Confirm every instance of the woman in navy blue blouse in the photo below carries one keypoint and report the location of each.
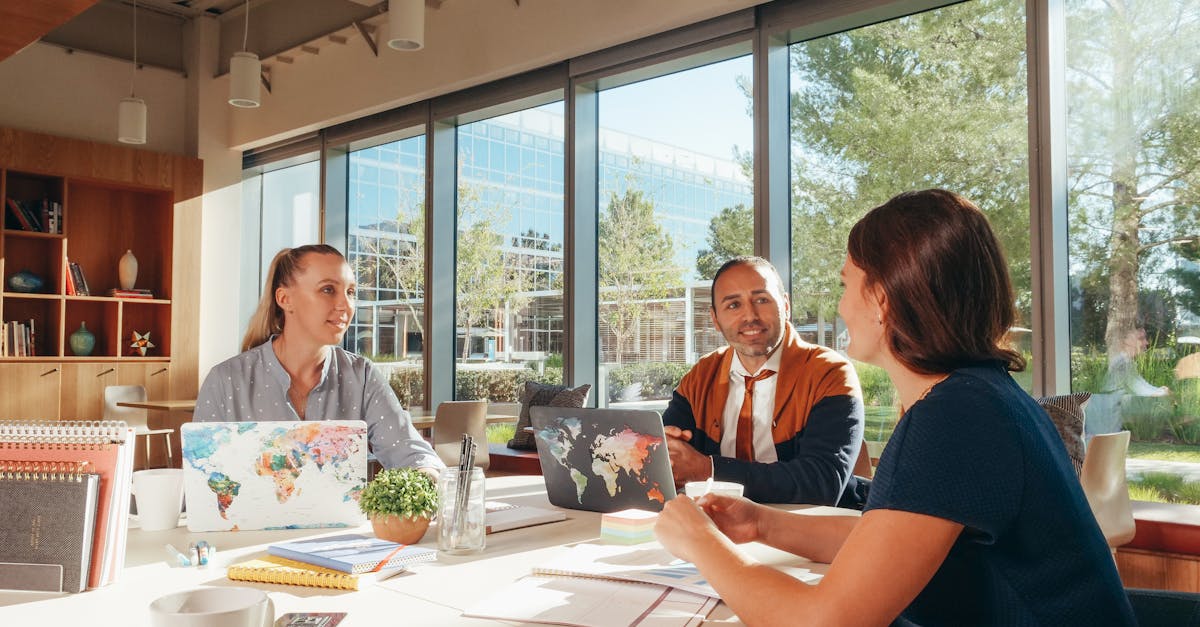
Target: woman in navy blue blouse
(975, 516)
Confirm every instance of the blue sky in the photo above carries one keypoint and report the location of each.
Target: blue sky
(700, 109)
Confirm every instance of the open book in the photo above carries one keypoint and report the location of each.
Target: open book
(592, 603)
(644, 563)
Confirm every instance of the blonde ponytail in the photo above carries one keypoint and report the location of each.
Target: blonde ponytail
(268, 317)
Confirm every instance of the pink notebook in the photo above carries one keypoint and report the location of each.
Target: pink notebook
(108, 450)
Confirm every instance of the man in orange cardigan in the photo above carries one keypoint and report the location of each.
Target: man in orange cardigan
(778, 415)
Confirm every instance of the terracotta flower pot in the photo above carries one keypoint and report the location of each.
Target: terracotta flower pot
(399, 529)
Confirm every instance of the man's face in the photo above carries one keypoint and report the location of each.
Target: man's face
(750, 309)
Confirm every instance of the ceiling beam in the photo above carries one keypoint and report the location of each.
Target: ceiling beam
(22, 23)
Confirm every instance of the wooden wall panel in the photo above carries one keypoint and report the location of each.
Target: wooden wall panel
(1159, 571)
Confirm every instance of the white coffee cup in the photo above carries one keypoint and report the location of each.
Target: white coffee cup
(213, 607)
(697, 489)
(159, 496)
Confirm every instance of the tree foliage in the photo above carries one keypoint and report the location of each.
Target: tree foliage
(730, 234)
(932, 100)
(1134, 128)
(636, 264)
(488, 278)
(938, 99)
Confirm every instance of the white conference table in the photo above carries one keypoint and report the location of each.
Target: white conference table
(434, 593)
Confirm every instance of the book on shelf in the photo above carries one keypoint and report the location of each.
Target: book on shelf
(281, 570)
(81, 286)
(353, 553)
(69, 287)
(18, 339)
(107, 448)
(505, 516)
(18, 220)
(131, 293)
(48, 518)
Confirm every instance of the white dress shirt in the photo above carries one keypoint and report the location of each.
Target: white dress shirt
(763, 408)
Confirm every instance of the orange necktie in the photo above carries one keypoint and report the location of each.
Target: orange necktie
(744, 443)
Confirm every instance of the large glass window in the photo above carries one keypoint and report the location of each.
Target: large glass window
(291, 211)
(509, 254)
(675, 201)
(386, 241)
(1133, 152)
(936, 99)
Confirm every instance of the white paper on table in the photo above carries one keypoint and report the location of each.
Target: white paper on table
(572, 601)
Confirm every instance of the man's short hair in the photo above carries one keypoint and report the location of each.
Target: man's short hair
(743, 260)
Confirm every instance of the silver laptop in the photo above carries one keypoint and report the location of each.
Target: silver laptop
(273, 474)
(603, 460)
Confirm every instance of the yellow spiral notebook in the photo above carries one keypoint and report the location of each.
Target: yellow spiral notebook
(272, 569)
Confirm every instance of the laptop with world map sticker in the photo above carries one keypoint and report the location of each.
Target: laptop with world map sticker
(603, 460)
(273, 474)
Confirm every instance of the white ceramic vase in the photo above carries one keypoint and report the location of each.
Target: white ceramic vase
(127, 270)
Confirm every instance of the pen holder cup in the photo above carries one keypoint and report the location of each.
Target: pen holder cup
(461, 511)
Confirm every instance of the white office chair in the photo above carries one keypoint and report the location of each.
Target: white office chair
(136, 418)
(1104, 485)
(451, 421)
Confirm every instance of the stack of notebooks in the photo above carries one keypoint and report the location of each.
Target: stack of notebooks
(344, 562)
(65, 490)
(135, 292)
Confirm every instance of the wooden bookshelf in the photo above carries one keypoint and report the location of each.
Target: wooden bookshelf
(113, 199)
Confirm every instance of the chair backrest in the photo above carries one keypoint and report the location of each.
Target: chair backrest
(1103, 480)
(862, 466)
(451, 421)
(134, 417)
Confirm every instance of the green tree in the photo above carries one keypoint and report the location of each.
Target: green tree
(1186, 280)
(636, 259)
(487, 277)
(932, 100)
(730, 233)
(1134, 101)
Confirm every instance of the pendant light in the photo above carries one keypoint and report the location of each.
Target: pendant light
(245, 73)
(406, 24)
(131, 113)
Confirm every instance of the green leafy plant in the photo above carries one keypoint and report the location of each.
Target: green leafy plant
(404, 492)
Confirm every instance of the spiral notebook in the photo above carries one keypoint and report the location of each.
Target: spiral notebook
(107, 447)
(48, 517)
(353, 553)
(280, 570)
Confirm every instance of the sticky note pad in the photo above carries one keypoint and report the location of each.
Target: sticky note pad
(631, 526)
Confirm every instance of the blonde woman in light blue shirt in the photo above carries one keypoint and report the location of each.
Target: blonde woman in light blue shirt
(293, 368)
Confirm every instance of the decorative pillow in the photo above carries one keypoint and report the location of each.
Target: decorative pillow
(1068, 416)
(541, 394)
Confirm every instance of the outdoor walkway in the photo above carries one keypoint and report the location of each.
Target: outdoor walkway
(1136, 467)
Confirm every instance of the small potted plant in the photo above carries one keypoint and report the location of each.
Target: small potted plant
(400, 503)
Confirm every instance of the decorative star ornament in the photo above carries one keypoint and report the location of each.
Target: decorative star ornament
(141, 343)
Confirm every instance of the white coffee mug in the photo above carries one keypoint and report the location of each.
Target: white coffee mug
(213, 607)
(159, 497)
(697, 489)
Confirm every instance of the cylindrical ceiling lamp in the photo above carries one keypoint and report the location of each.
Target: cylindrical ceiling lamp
(406, 24)
(245, 72)
(131, 121)
(131, 113)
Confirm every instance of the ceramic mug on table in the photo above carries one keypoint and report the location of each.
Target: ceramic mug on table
(158, 494)
(213, 607)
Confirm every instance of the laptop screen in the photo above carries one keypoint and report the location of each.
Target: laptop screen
(273, 474)
(603, 460)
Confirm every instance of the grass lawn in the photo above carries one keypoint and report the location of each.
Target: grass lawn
(881, 421)
(501, 433)
(1165, 452)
